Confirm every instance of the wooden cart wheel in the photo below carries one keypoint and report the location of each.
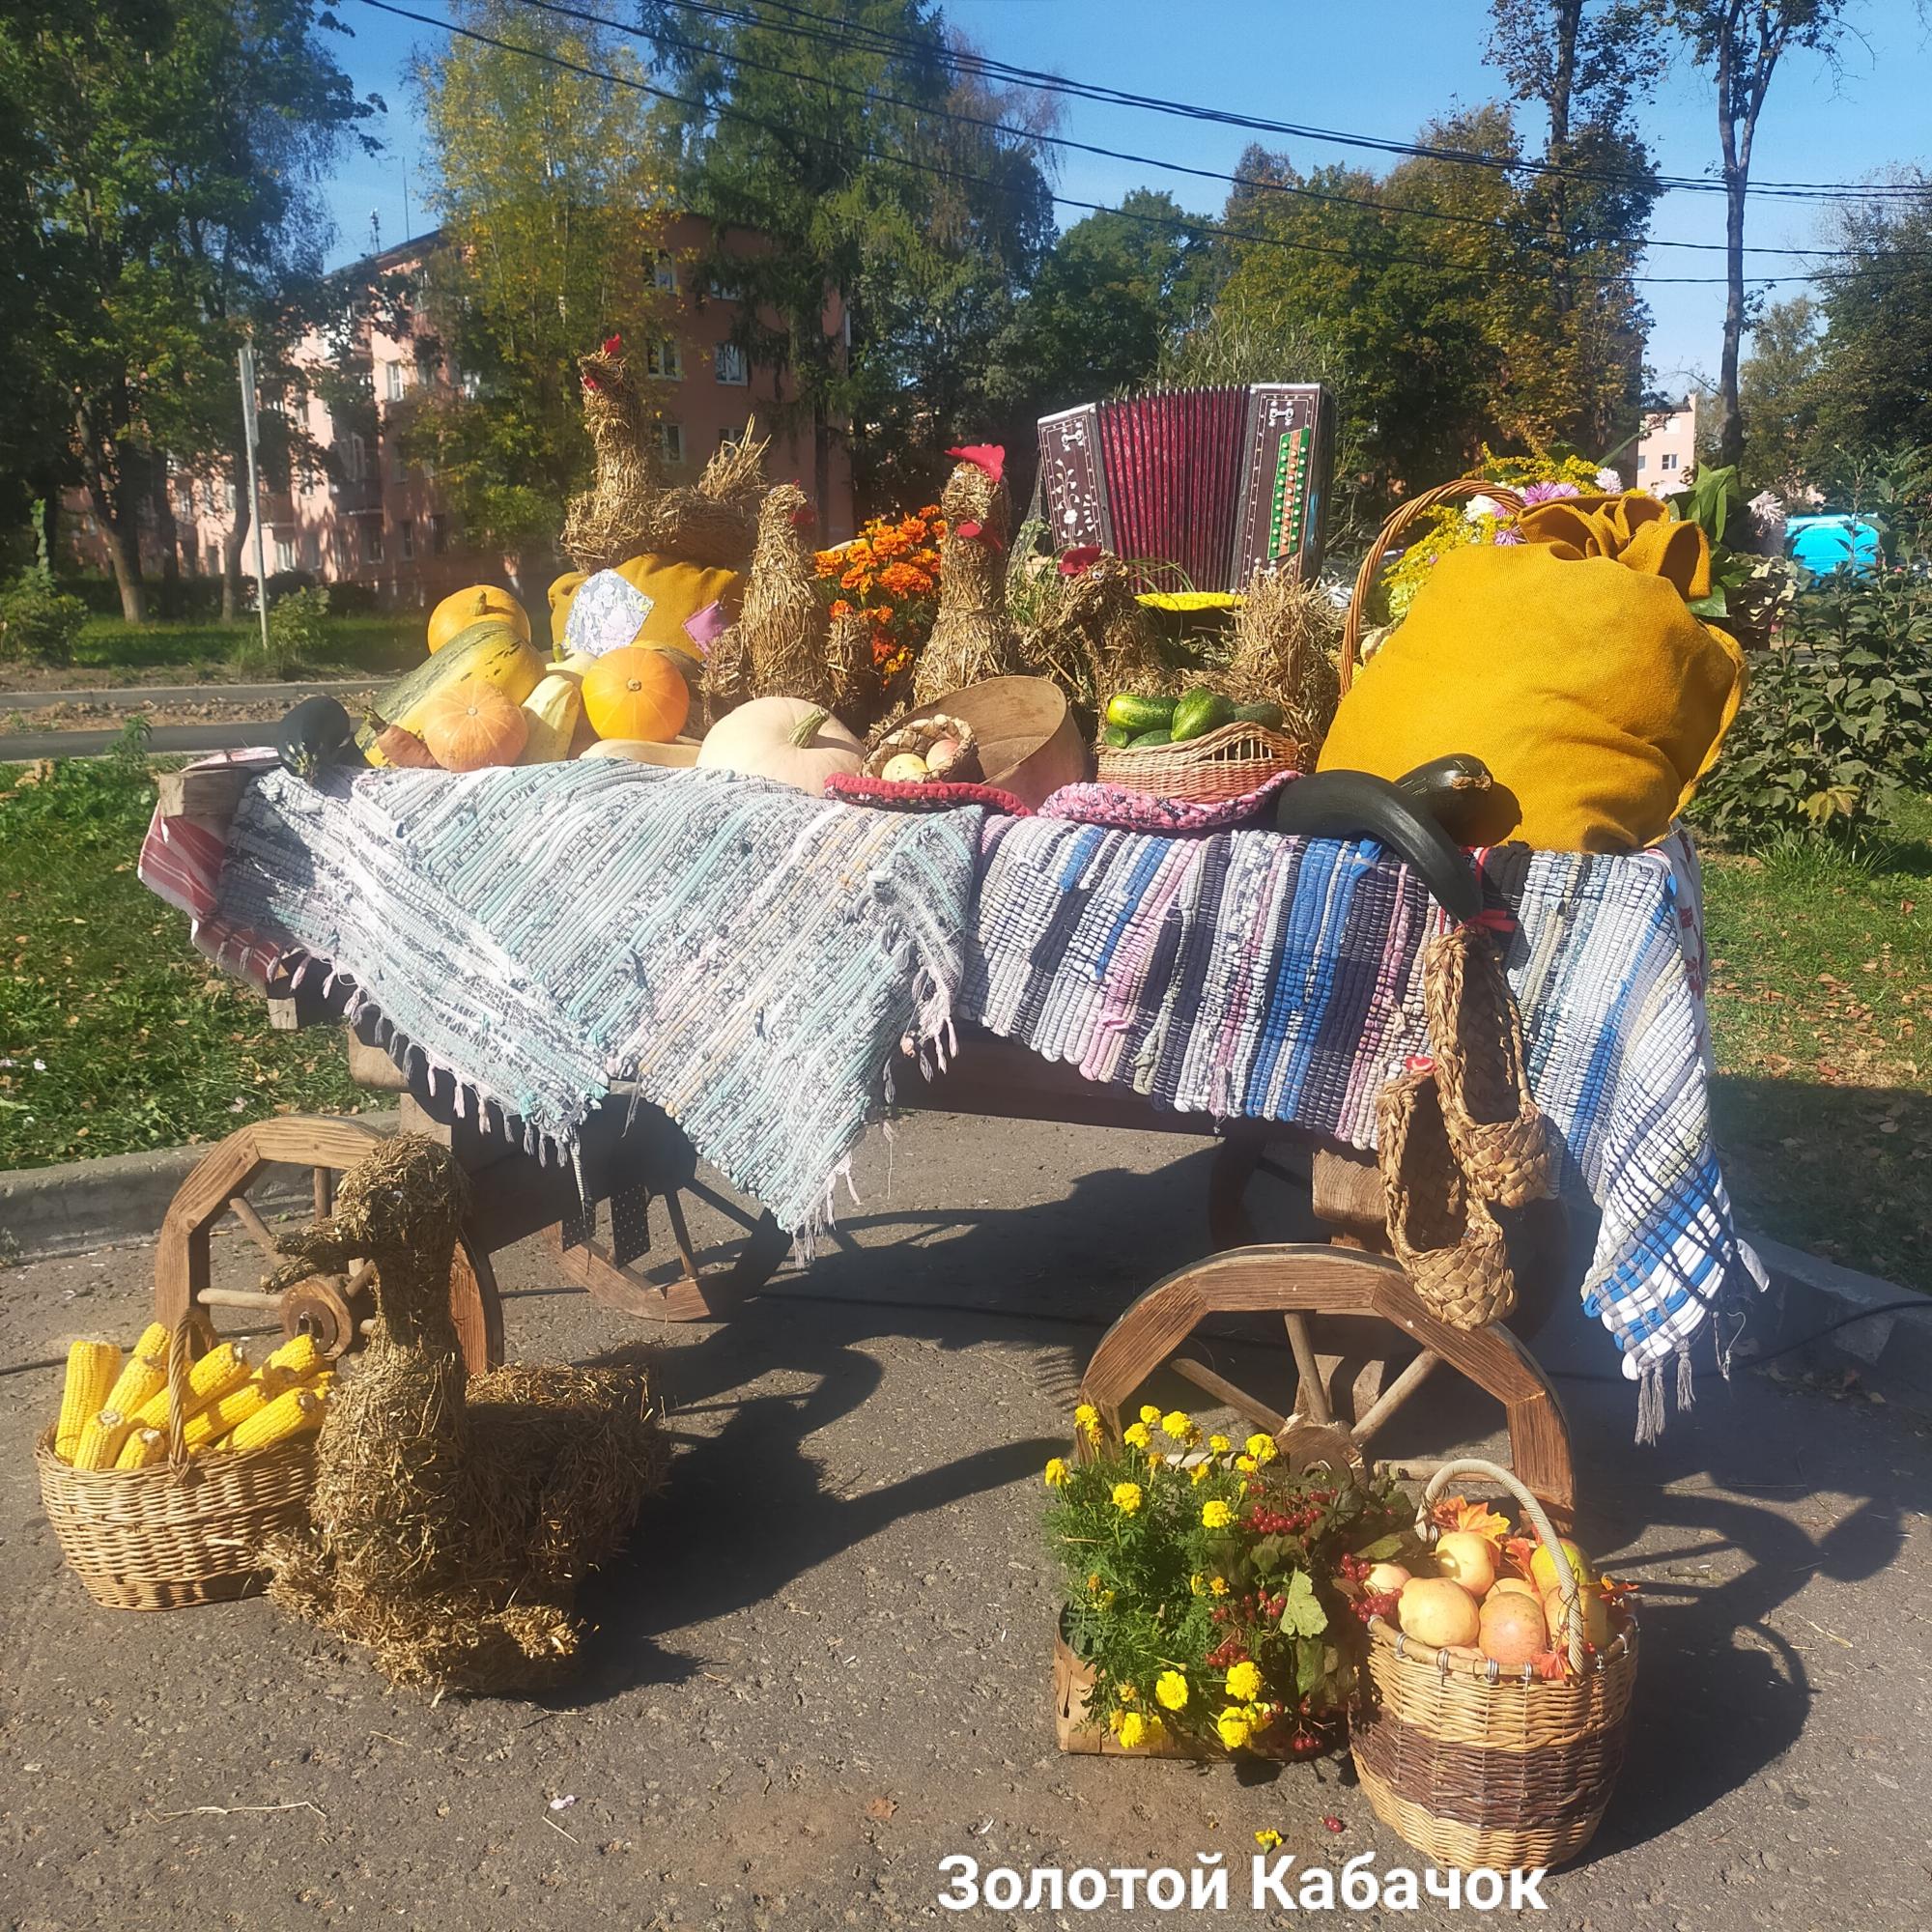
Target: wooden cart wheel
(1295, 1283)
(332, 1309)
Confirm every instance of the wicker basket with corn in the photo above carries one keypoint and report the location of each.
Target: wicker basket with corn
(164, 1472)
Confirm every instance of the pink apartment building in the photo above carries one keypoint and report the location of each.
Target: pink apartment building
(374, 519)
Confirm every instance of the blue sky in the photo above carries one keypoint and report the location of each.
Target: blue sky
(1377, 67)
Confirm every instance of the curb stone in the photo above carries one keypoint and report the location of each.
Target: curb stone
(1808, 1292)
(49, 1212)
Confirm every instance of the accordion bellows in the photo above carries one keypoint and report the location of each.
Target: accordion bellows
(1219, 481)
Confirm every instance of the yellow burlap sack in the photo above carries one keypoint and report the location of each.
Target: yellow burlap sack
(1570, 665)
(679, 593)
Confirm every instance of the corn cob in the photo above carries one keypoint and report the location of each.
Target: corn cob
(291, 1413)
(92, 1368)
(144, 1371)
(226, 1412)
(296, 1360)
(101, 1439)
(223, 1368)
(142, 1447)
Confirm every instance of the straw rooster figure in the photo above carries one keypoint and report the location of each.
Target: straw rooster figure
(610, 521)
(972, 636)
(450, 1521)
(778, 645)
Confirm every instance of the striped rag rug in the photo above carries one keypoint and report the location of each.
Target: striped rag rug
(1256, 976)
(750, 956)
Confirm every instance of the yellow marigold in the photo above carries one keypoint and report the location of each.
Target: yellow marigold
(1148, 1412)
(1180, 1426)
(1127, 1695)
(1217, 1586)
(1135, 1435)
(1269, 1840)
(1197, 1584)
(1087, 1419)
(1056, 1472)
(1219, 1445)
(1156, 1461)
(1216, 1515)
(1170, 1690)
(1244, 1680)
(1199, 1472)
(1260, 1447)
(1232, 1727)
(1127, 1497)
(1093, 1583)
(1132, 1728)
(1247, 1464)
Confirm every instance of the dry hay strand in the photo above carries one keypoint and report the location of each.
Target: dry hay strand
(782, 625)
(1092, 637)
(848, 659)
(726, 674)
(715, 521)
(1287, 635)
(608, 523)
(972, 636)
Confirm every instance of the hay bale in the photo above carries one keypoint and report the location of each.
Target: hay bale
(972, 636)
(1287, 637)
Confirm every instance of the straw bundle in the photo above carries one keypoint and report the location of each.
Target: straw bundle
(781, 627)
(1286, 633)
(713, 522)
(449, 1524)
(608, 522)
(1091, 635)
(972, 636)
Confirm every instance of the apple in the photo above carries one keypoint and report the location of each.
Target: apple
(1467, 1559)
(1596, 1619)
(1543, 1566)
(1384, 1577)
(1435, 1610)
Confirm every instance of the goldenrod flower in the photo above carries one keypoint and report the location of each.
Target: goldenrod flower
(1269, 1840)
(1260, 1447)
(1056, 1472)
(1232, 1727)
(1219, 1445)
(1215, 1515)
(1135, 1435)
(1180, 1426)
(1127, 1497)
(1170, 1690)
(1148, 1412)
(1244, 1680)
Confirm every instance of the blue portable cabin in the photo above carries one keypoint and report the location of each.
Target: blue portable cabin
(1824, 544)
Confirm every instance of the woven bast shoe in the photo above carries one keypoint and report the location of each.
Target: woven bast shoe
(1499, 1136)
(1444, 1234)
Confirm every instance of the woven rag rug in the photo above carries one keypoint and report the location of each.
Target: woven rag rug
(750, 956)
(1256, 976)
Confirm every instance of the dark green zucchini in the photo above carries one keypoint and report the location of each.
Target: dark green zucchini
(315, 737)
(1455, 791)
(1356, 804)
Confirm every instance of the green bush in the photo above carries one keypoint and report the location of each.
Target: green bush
(37, 623)
(1834, 724)
(298, 635)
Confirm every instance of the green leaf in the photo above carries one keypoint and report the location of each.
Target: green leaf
(1302, 1615)
(1383, 1547)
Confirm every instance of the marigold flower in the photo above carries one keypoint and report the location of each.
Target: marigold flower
(1197, 1584)
(1127, 1497)
(1232, 1727)
(1132, 1728)
(1244, 1681)
(1171, 1691)
(1247, 1464)
(1148, 1412)
(1093, 1583)
(1199, 1472)
(1056, 1472)
(1269, 1840)
(1216, 1515)
(1127, 1695)
(1260, 1447)
(1179, 1426)
(1135, 1435)
(1219, 1445)
(1217, 1586)
(1087, 1419)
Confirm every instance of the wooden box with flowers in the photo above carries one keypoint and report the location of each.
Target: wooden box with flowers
(1214, 1596)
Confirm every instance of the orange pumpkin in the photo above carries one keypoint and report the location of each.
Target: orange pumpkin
(463, 607)
(635, 693)
(472, 725)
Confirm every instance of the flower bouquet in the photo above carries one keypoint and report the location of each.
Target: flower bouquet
(889, 576)
(1214, 1599)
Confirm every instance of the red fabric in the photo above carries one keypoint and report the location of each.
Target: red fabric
(895, 795)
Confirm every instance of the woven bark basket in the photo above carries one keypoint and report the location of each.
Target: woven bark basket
(1218, 765)
(1474, 1766)
(184, 1531)
(1082, 1736)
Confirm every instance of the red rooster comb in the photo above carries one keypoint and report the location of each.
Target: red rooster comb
(613, 345)
(991, 457)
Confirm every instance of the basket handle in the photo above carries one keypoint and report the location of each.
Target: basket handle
(1399, 520)
(1566, 1577)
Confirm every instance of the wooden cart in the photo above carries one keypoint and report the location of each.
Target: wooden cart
(1359, 1343)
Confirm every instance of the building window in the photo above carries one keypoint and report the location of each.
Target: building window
(1668, 460)
(732, 366)
(439, 539)
(402, 464)
(664, 272)
(372, 540)
(355, 458)
(1641, 461)
(724, 292)
(406, 536)
(393, 382)
(665, 357)
(670, 442)
(285, 559)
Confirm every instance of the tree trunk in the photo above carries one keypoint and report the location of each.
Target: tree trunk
(49, 507)
(120, 535)
(168, 535)
(234, 546)
(1732, 426)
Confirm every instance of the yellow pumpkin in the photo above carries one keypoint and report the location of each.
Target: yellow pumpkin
(635, 693)
(463, 607)
(469, 726)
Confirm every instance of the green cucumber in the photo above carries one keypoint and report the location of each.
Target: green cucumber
(1272, 716)
(1116, 737)
(1200, 711)
(1149, 738)
(1140, 714)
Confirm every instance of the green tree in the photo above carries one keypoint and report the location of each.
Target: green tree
(894, 239)
(1743, 41)
(1876, 393)
(1781, 393)
(168, 184)
(549, 186)
(1119, 288)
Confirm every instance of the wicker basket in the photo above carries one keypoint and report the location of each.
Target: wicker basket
(184, 1531)
(1476, 1768)
(1208, 770)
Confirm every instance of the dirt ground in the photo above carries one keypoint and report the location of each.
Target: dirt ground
(823, 1666)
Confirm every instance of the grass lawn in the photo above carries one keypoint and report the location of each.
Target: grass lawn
(111, 652)
(115, 1032)
(1821, 1003)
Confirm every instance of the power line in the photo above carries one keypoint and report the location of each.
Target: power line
(846, 35)
(1183, 224)
(1296, 190)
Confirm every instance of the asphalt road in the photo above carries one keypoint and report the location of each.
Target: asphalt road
(128, 697)
(18, 746)
(823, 1666)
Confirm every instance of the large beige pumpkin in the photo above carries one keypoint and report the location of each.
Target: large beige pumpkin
(783, 738)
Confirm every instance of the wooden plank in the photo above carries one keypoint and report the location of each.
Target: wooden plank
(209, 795)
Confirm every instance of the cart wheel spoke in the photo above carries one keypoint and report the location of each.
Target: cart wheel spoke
(1396, 1394)
(1235, 1398)
(243, 1210)
(1310, 1397)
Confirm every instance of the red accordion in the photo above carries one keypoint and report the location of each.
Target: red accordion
(1218, 481)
